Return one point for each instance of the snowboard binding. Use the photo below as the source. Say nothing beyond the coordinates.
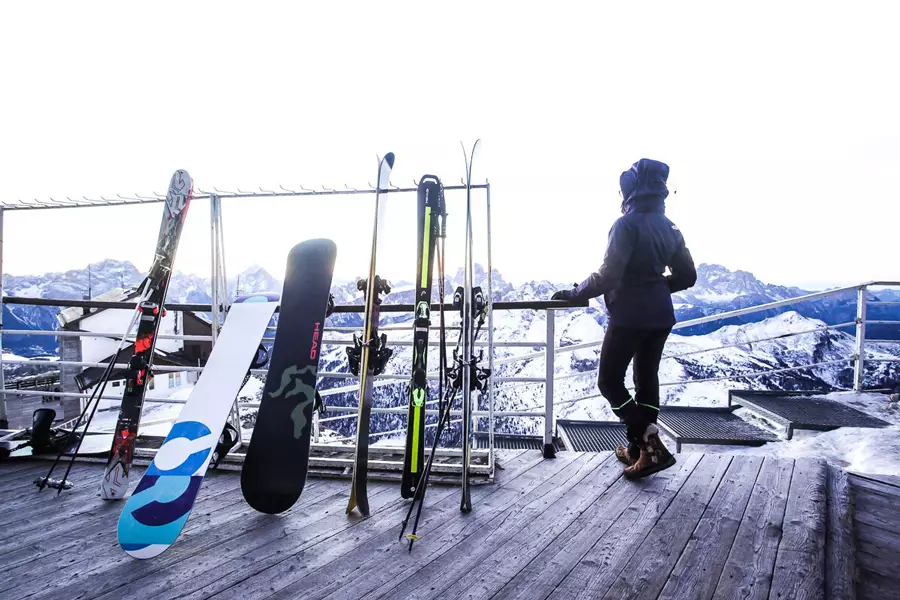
(228, 442)
(478, 375)
(379, 353)
(382, 286)
(479, 303)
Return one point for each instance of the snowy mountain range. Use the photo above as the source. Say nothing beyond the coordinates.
(717, 290)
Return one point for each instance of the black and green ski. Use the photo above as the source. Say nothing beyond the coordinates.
(431, 220)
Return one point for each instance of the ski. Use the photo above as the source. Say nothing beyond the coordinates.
(155, 513)
(368, 354)
(274, 470)
(178, 199)
(431, 217)
(467, 337)
(445, 402)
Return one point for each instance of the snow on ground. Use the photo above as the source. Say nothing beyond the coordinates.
(861, 449)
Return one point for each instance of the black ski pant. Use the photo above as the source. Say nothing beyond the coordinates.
(620, 346)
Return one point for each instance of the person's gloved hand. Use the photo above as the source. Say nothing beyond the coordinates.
(563, 295)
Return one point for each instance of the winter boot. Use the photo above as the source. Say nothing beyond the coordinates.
(628, 455)
(654, 456)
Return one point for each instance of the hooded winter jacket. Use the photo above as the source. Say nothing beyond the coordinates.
(642, 243)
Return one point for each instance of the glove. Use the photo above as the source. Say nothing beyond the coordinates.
(563, 295)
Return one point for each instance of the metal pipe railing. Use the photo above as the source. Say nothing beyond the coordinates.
(209, 338)
(549, 351)
(859, 364)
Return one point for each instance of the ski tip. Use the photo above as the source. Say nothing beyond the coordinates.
(389, 159)
(428, 179)
(182, 179)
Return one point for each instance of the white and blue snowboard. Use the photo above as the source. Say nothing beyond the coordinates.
(157, 510)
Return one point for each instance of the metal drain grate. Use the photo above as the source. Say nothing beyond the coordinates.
(804, 411)
(710, 425)
(509, 441)
(591, 436)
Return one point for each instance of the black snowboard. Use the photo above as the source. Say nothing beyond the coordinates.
(274, 470)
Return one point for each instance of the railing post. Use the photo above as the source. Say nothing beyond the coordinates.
(859, 369)
(4, 420)
(550, 354)
(214, 269)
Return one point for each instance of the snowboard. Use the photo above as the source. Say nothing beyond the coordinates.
(430, 211)
(274, 470)
(369, 354)
(155, 513)
(114, 484)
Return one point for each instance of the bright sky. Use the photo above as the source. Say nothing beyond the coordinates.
(780, 123)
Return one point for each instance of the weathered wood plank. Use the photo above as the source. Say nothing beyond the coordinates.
(649, 568)
(56, 513)
(11, 466)
(800, 562)
(569, 528)
(877, 486)
(51, 513)
(697, 570)
(362, 563)
(599, 568)
(876, 510)
(21, 489)
(874, 586)
(98, 546)
(747, 574)
(92, 540)
(301, 552)
(840, 567)
(540, 576)
(494, 565)
(880, 543)
(81, 525)
(26, 493)
(885, 480)
(487, 559)
(114, 569)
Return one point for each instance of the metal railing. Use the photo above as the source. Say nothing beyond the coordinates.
(548, 352)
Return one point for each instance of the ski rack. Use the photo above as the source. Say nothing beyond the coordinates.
(333, 461)
(217, 276)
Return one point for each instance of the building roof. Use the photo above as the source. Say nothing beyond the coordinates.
(73, 314)
(91, 375)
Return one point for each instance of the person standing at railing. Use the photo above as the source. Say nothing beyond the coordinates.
(642, 243)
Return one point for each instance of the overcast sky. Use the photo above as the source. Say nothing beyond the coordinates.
(780, 123)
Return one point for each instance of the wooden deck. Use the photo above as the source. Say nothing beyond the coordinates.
(713, 526)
